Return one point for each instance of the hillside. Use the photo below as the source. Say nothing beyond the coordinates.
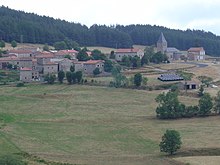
(32, 28)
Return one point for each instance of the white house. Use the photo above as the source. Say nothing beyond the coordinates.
(196, 53)
(132, 52)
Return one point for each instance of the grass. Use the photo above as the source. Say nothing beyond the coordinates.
(93, 125)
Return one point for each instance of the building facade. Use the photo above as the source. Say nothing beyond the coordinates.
(120, 53)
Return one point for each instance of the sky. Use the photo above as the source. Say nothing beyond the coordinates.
(174, 14)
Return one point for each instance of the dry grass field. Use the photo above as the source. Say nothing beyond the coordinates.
(94, 125)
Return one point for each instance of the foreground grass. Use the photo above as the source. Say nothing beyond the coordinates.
(93, 125)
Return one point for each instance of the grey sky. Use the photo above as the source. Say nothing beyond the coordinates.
(177, 14)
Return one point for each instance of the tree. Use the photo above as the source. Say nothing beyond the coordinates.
(158, 58)
(79, 76)
(72, 68)
(82, 55)
(126, 61)
(2, 44)
(108, 66)
(14, 44)
(171, 142)
(69, 77)
(9, 66)
(205, 80)
(50, 78)
(169, 106)
(205, 105)
(217, 103)
(119, 79)
(112, 55)
(61, 76)
(96, 71)
(46, 47)
(136, 62)
(60, 45)
(201, 90)
(138, 79)
(148, 54)
(11, 160)
(67, 56)
(98, 55)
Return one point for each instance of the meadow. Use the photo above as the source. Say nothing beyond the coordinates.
(94, 125)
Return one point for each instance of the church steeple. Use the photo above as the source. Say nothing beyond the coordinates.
(161, 44)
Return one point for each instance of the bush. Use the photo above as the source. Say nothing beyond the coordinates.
(191, 111)
(21, 84)
(11, 160)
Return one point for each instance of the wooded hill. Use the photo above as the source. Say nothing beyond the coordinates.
(32, 28)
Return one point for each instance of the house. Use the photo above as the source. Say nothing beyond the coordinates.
(172, 53)
(26, 74)
(196, 54)
(42, 60)
(19, 62)
(188, 85)
(63, 64)
(21, 52)
(49, 67)
(132, 52)
(89, 66)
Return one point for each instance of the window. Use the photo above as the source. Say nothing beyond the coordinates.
(17, 63)
(52, 67)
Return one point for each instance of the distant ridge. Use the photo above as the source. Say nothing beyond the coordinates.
(32, 28)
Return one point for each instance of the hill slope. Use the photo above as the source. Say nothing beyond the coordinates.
(31, 28)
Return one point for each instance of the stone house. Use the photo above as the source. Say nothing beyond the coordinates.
(89, 66)
(65, 65)
(132, 52)
(26, 74)
(196, 54)
(21, 52)
(19, 62)
(189, 85)
(62, 53)
(42, 60)
(50, 67)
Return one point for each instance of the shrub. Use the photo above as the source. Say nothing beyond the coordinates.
(20, 84)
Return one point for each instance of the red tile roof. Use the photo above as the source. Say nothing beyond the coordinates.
(196, 49)
(131, 50)
(20, 51)
(25, 69)
(50, 63)
(9, 58)
(92, 62)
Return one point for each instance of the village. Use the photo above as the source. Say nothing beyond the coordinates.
(35, 63)
(109, 113)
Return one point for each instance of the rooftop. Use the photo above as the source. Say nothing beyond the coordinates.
(161, 38)
(196, 49)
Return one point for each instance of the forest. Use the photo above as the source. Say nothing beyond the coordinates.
(32, 28)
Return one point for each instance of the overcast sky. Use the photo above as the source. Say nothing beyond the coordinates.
(174, 14)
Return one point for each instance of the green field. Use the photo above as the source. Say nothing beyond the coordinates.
(93, 125)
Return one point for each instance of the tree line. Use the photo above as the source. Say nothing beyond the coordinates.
(31, 28)
(169, 107)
